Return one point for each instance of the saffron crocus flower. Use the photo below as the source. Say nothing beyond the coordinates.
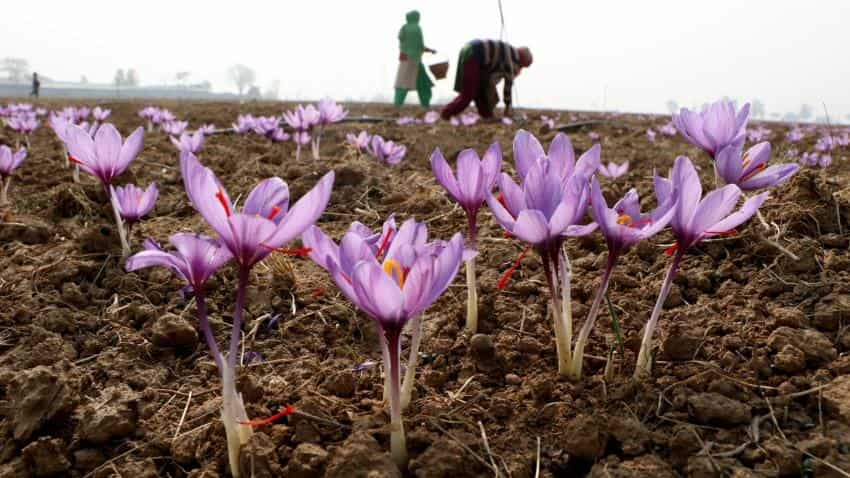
(40, 112)
(454, 121)
(330, 112)
(386, 152)
(244, 124)
(622, 227)
(405, 120)
(392, 286)
(278, 136)
(82, 113)
(131, 204)
(174, 128)
(302, 120)
(545, 209)
(614, 170)
(431, 117)
(100, 114)
(650, 135)
(507, 121)
(266, 125)
(825, 161)
(264, 224)
(360, 141)
(469, 119)
(9, 162)
(104, 156)
(695, 219)
(668, 129)
(470, 188)
(189, 142)
(750, 171)
(758, 134)
(23, 125)
(195, 260)
(717, 126)
(207, 128)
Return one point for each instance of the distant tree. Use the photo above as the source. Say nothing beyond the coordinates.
(805, 112)
(182, 76)
(241, 76)
(272, 90)
(254, 92)
(204, 86)
(757, 109)
(672, 106)
(776, 115)
(17, 69)
(132, 78)
(119, 80)
(84, 80)
(790, 117)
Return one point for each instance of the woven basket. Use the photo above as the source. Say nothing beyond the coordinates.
(439, 70)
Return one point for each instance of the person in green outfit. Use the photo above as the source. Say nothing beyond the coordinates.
(411, 72)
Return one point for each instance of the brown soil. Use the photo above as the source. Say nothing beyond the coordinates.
(98, 366)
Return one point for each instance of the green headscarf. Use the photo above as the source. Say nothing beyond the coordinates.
(410, 38)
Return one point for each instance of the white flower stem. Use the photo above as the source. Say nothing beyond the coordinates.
(471, 297)
(398, 446)
(4, 193)
(587, 327)
(65, 155)
(644, 362)
(412, 362)
(76, 173)
(385, 354)
(559, 289)
(122, 232)
(233, 412)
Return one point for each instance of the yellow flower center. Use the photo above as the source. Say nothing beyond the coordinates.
(625, 220)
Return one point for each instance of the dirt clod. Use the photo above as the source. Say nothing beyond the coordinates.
(41, 394)
(360, 456)
(113, 415)
(790, 360)
(171, 330)
(836, 397)
(308, 461)
(816, 346)
(585, 439)
(715, 409)
(46, 457)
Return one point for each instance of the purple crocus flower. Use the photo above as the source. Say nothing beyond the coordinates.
(163, 116)
(41, 112)
(622, 227)
(196, 259)
(469, 119)
(758, 134)
(82, 113)
(330, 112)
(207, 128)
(405, 120)
(650, 135)
(244, 124)
(9, 162)
(717, 126)
(472, 186)
(278, 136)
(132, 202)
(392, 286)
(302, 120)
(454, 121)
(100, 114)
(266, 125)
(104, 156)
(614, 170)
(825, 161)
(22, 124)
(795, 135)
(386, 152)
(431, 117)
(695, 219)
(265, 222)
(546, 208)
(809, 158)
(175, 128)
(189, 142)
(750, 171)
(668, 129)
(507, 121)
(360, 141)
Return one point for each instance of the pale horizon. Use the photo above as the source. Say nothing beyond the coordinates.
(611, 55)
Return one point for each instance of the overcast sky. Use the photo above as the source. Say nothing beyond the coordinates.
(624, 55)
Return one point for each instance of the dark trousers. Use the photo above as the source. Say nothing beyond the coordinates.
(474, 87)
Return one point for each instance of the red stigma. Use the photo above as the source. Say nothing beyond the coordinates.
(290, 252)
(275, 210)
(510, 271)
(672, 249)
(318, 293)
(256, 423)
(74, 160)
(501, 199)
(220, 196)
(507, 234)
(755, 171)
(384, 243)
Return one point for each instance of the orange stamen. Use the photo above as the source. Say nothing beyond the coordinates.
(510, 271)
(275, 210)
(256, 423)
(672, 249)
(625, 220)
(220, 196)
(386, 240)
(395, 271)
